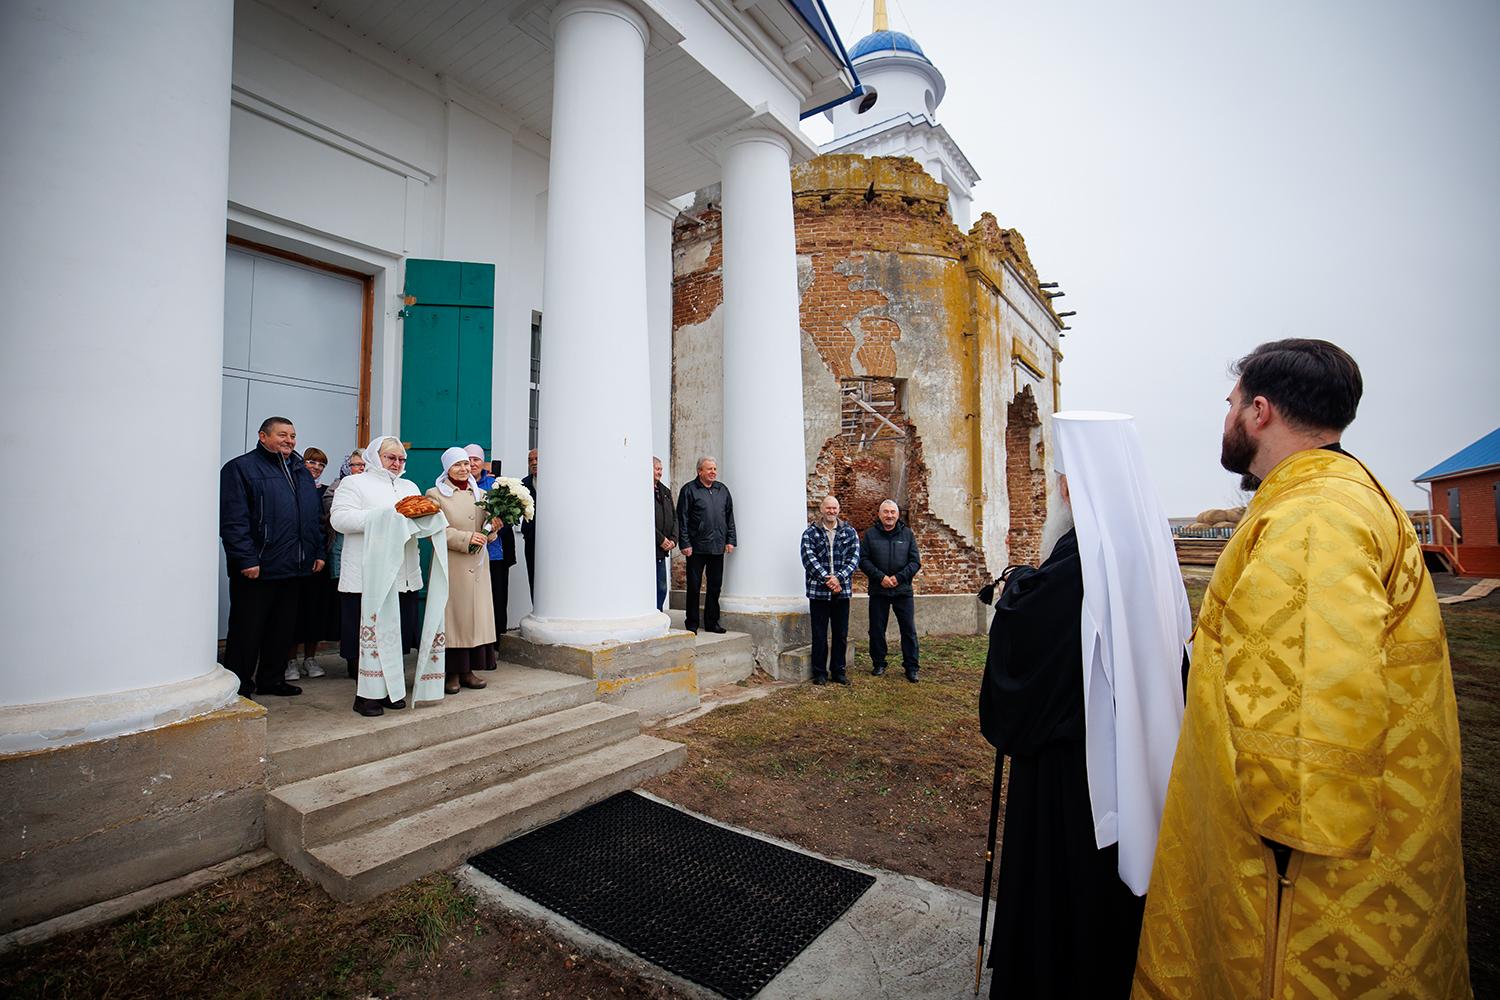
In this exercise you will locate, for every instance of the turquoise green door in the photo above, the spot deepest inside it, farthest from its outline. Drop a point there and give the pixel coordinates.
(447, 355)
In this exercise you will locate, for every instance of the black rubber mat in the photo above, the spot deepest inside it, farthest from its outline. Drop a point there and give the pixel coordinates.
(716, 907)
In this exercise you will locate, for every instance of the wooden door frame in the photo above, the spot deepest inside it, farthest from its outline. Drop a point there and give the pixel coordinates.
(366, 325)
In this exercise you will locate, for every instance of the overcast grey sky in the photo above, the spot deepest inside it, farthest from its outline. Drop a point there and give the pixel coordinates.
(1202, 177)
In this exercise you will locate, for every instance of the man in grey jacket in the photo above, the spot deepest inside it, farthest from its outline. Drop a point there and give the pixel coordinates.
(705, 533)
(888, 555)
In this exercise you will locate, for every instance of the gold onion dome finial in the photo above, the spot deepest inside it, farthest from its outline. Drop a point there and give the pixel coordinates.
(882, 20)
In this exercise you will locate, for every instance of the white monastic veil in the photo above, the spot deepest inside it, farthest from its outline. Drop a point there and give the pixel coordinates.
(1136, 624)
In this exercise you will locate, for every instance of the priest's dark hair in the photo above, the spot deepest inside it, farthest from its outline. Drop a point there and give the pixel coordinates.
(1316, 385)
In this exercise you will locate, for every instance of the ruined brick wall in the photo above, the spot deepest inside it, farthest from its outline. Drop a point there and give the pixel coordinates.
(1026, 479)
(893, 295)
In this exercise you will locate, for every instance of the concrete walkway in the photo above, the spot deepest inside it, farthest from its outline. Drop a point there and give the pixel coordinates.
(904, 939)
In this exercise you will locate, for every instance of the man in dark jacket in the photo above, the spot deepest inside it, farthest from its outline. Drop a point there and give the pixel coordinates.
(528, 528)
(705, 531)
(502, 550)
(666, 529)
(888, 555)
(270, 520)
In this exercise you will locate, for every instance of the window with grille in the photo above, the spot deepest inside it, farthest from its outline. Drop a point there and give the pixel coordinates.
(535, 384)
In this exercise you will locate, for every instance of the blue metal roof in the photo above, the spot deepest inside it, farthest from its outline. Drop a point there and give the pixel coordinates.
(887, 41)
(1480, 455)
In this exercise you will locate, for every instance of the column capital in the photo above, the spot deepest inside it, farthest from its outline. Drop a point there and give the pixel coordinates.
(759, 134)
(613, 8)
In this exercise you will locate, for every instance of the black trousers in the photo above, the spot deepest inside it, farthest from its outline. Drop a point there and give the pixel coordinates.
(531, 568)
(833, 612)
(262, 621)
(880, 607)
(696, 564)
(500, 595)
(411, 625)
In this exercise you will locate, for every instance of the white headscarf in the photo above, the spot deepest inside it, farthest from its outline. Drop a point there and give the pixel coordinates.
(446, 486)
(1136, 623)
(372, 457)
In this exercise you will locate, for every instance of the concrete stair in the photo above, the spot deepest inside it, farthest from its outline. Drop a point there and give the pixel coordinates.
(454, 790)
(720, 659)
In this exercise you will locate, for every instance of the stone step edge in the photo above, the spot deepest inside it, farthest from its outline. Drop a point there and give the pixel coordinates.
(351, 789)
(386, 741)
(361, 866)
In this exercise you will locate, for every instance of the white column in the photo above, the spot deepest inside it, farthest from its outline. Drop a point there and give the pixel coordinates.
(115, 162)
(763, 463)
(594, 582)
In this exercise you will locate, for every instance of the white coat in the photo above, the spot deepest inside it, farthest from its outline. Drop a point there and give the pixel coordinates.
(356, 497)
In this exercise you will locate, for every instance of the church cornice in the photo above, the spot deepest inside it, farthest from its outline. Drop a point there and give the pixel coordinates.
(915, 123)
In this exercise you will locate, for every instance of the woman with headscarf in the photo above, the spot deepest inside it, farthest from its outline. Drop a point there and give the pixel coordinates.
(352, 466)
(470, 616)
(380, 485)
(316, 590)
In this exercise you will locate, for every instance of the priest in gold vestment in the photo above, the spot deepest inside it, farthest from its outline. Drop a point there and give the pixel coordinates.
(1310, 842)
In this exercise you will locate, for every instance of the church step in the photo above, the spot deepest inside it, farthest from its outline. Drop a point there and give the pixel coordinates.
(367, 863)
(317, 810)
(318, 733)
(723, 659)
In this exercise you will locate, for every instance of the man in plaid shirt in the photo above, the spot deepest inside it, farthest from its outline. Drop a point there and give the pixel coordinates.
(830, 555)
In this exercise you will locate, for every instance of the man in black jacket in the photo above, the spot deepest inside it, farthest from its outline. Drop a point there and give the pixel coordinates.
(705, 531)
(528, 528)
(888, 555)
(270, 520)
(666, 529)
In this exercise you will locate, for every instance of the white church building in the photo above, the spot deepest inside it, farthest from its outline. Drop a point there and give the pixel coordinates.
(445, 219)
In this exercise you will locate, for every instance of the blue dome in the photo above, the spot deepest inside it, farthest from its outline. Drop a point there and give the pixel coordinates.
(886, 41)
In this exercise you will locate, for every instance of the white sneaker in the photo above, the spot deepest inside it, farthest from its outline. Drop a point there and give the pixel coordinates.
(291, 671)
(311, 668)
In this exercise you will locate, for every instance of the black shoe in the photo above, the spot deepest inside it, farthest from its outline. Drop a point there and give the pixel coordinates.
(716, 629)
(283, 689)
(368, 707)
(247, 691)
(820, 681)
(352, 669)
(395, 705)
(877, 670)
(911, 676)
(690, 627)
(844, 680)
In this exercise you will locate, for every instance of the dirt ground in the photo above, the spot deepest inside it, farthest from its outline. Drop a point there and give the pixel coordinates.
(268, 933)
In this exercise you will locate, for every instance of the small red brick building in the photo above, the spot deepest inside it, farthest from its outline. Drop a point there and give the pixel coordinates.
(1466, 503)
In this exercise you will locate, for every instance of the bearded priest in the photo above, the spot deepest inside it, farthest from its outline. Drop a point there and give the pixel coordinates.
(1083, 691)
(1310, 843)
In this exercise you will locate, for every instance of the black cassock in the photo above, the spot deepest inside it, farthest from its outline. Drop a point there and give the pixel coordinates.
(1065, 925)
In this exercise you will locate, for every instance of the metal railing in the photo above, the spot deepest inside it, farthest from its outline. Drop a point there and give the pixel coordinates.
(1190, 532)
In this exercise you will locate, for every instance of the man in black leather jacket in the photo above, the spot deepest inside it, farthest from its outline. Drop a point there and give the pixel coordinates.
(888, 555)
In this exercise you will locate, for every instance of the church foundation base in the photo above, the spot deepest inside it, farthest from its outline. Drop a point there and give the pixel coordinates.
(656, 677)
(93, 821)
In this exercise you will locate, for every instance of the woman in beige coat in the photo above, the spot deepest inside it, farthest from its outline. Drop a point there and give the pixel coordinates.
(469, 619)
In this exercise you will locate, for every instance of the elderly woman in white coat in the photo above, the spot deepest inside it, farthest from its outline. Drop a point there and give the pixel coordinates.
(380, 485)
(469, 619)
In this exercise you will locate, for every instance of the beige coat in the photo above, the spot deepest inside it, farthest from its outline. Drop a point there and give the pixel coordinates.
(470, 616)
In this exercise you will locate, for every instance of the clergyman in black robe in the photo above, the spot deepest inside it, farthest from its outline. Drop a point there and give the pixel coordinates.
(1065, 925)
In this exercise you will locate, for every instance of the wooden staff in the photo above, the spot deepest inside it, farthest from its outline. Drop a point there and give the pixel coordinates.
(989, 866)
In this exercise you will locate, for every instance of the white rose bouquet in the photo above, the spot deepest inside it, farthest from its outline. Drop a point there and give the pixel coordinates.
(506, 502)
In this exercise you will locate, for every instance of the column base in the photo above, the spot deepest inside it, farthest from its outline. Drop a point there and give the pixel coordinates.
(762, 605)
(94, 820)
(655, 676)
(594, 631)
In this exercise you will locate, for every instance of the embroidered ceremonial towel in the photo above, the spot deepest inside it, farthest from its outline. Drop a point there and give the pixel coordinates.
(381, 673)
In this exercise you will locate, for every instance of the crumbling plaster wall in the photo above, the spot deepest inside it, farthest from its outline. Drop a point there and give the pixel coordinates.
(890, 289)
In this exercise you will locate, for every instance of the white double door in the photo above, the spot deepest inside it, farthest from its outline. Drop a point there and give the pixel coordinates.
(291, 349)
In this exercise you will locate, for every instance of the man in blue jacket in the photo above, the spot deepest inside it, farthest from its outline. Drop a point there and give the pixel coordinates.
(830, 555)
(271, 525)
(888, 555)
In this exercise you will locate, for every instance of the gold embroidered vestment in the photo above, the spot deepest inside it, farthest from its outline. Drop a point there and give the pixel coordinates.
(1320, 715)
